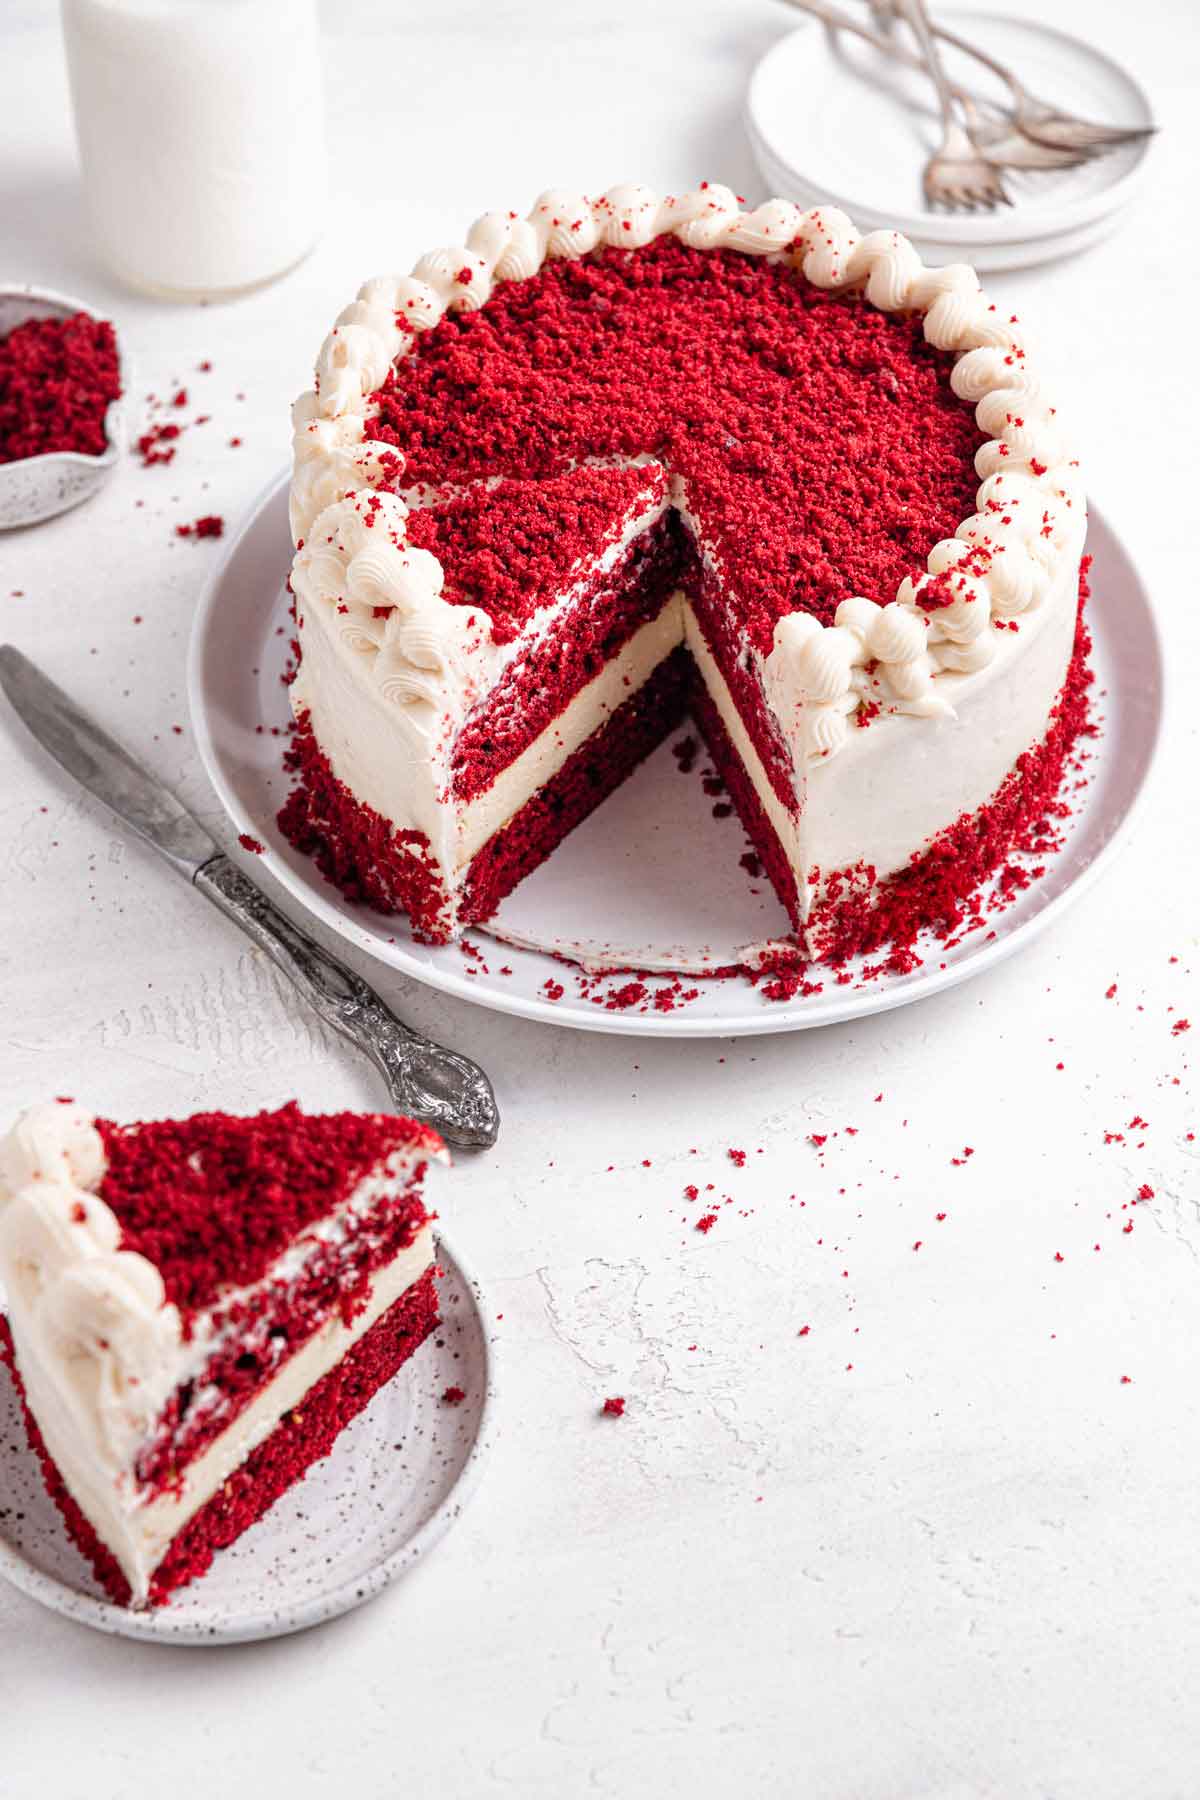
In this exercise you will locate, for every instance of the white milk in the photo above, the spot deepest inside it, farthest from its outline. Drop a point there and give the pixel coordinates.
(201, 135)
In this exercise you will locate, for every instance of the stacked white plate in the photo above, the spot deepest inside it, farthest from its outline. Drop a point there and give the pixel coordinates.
(833, 121)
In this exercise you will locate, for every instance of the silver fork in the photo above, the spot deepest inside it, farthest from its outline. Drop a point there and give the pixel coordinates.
(958, 174)
(1039, 120)
(998, 137)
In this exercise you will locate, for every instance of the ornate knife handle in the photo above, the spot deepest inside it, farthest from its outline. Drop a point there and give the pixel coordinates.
(445, 1089)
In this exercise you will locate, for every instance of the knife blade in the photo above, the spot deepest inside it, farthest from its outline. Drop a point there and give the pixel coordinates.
(443, 1087)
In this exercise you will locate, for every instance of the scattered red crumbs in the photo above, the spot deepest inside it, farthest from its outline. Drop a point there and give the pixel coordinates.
(210, 525)
(957, 1162)
(150, 444)
(454, 1396)
(706, 1223)
(691, 1191)
(614, 1406)
(58, 377)
(1145, 1192)
(737, 1158)
(251, 843)
(1180, 1026)
(553, 990)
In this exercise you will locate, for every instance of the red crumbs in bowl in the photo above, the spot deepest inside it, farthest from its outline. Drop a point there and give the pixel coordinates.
(58, 377)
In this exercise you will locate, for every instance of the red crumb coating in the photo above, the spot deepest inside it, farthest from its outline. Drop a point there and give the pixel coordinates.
(301, 1438)
(513, 547)
(357, 850)
(58, 378)
(212, 1200)
(823, 449)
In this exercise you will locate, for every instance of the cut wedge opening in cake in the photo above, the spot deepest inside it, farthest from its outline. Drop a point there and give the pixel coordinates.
(631, 459)
(195, 1310)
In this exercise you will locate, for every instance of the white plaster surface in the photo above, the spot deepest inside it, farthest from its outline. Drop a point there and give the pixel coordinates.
(935, 1548)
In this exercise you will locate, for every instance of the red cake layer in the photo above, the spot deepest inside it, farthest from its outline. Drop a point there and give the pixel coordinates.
(301, 1438)
(514, 545)
(598, 767)
(824, 450)
(532, 694)
(742, 792)
(212, 1200)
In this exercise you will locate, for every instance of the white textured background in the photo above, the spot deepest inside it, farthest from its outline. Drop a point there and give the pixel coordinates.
(933, 1548)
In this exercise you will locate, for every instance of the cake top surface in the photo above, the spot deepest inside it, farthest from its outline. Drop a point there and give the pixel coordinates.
(511, 546)
(822, 448)
(212, 1200)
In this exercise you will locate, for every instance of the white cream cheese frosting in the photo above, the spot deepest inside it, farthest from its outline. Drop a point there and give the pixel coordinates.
(101, 1350)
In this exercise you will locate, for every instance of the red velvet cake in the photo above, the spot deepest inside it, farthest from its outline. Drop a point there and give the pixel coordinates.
(628, 457)
(196, 1308)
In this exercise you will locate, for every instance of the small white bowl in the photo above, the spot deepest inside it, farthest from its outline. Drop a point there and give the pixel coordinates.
(37, 487)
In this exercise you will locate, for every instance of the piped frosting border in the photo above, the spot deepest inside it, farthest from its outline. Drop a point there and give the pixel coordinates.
(431, 659)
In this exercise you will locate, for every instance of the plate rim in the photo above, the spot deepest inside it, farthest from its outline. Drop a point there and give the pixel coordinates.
(974, 230)
(160, 1627)
(400, 957)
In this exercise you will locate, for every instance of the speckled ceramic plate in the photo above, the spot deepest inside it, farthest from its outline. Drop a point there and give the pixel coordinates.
(397, 1479)
(654, 879)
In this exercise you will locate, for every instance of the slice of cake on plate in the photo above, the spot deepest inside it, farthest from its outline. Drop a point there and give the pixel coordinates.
(195, 1309)
(630, 455)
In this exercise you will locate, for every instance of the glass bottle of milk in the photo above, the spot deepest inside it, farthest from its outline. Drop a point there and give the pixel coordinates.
(202, 138)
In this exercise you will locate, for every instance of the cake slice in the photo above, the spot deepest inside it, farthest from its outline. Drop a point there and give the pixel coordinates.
(195, 1309)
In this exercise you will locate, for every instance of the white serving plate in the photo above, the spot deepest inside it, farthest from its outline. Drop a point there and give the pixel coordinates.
(831, 119)
(396, 1480)
(651, 879)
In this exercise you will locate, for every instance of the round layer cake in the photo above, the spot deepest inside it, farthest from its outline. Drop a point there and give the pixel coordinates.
(629, 458)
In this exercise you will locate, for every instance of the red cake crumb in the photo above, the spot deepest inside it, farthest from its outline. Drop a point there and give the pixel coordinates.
(614, 1407)
(251, 843)
(1180, 1026)
(150, 444)
(706, 1223)
(454, 1396)
(822, 446)
(239, 1188)
(58, 377)
(211, 525)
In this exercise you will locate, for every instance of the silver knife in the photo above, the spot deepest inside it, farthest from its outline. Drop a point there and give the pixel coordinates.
(440, 1086)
